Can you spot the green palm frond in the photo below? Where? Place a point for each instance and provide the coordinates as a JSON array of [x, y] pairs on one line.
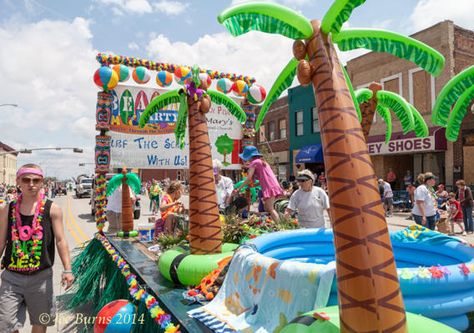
[[421, 128], [450, 94], [339, 13], [265, 17], [283, 81], [158, 104], [384, 112], [134, 182], [363, 95], [234, 108], [458, 113], [353, 96], [114, 183], [399, 106], [385, 41], [181, 122]]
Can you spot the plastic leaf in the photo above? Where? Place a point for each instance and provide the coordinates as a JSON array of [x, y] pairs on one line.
[[353, 96], [180, 129], [363, 95], [114, 183], [457, 114], [134, 182], [399, 45], [283, 81], [399, 106], [234, 108], [157, 104], [384, 112], [265, 17], [421, 128], [339, 13]]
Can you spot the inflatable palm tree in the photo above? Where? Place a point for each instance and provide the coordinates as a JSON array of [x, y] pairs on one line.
[[453, 101], [368, 288], [194, 102], [383, 101]]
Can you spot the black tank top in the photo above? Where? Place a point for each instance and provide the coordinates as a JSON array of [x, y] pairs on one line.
[[31, 265]]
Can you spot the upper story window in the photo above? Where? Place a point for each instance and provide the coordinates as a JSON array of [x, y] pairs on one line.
[[282, 126], [271, 131], [299, 123], [315, 120]]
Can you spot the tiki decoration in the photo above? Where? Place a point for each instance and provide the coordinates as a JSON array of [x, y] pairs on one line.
[[205, 235], [368, 288], [103, 111], [102, 153]]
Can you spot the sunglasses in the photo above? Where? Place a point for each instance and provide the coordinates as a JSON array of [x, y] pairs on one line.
[[27, 180]]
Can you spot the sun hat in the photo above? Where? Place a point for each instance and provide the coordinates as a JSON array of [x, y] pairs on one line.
[[249, 152], [305, 175]]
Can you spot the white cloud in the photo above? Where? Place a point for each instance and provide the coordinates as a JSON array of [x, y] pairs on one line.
[[429, 12], [170, 7], [133, 46]]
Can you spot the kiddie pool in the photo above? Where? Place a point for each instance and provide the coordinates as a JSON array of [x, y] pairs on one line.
[[448, 298]]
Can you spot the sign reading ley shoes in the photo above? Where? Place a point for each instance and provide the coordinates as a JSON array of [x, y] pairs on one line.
[[408, 144]]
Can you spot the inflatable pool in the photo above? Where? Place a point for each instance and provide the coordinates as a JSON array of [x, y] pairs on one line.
[[436, 272]]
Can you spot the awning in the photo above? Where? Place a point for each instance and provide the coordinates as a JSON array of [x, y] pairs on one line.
[[310, 154]]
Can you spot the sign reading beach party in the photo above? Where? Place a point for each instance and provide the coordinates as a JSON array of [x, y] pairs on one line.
[[154, 146]]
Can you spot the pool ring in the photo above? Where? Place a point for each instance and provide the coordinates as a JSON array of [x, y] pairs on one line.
[[182, 268], [326, 320], [126, 234]]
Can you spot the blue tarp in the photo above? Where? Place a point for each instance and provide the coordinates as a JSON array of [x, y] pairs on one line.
[[310, 154]]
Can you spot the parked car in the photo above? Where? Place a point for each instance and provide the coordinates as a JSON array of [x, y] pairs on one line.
[[84, 188]]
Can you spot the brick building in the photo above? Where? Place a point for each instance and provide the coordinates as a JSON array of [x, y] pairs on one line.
[[405, 152], [273, 136], [8, 165]]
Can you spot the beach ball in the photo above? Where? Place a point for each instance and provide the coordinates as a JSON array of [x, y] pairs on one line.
[[204, 77], [122, 71], [224, 85], [181, 74], [164, 78], [256, 94], [106, 78], [141, 75], [117, 316], [240, 88]]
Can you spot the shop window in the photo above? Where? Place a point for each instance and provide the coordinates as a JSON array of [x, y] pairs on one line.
[[271, 130], [299, 123], [315, 120], [282, 126]]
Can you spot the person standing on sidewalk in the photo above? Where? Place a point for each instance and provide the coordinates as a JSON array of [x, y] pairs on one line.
[[387, 197], [465, 199], [424, 210], [30, 227], [392, 178]]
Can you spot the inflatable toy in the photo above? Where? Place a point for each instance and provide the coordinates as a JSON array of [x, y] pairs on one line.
[[141, 75], [122, 71], [240, 88], [204, 77], [164, 78], [224, 85], [256, 94], [106, 78], [117, 316], [181, 74]]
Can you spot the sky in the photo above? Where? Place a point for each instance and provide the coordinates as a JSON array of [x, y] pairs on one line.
[[48, 49]]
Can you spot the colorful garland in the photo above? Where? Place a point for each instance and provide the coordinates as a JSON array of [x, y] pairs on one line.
[[435, 272], [100, 202], [138, 293], [107, 59]]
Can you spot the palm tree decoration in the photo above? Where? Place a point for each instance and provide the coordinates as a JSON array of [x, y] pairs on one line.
[[205, 234], [374, 99], [126, 180], [368, 288], [453, 101]]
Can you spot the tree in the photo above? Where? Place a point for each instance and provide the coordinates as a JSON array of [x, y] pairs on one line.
[[368, 288], [194, 102], [225, 146]]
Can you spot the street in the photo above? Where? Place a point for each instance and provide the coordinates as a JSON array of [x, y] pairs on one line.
[[80, 227]]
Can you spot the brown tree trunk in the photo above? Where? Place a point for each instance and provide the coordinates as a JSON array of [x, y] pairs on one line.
[[368, 109], [127, 210], [204, 224], [368, 288]]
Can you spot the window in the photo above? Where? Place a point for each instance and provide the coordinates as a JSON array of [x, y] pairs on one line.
[[315, 120], [282, 126], [261, 134], [299, 123], [271, 131]]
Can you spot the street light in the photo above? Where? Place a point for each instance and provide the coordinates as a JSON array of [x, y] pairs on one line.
[[84, 164], [9, 104], [29, 151]]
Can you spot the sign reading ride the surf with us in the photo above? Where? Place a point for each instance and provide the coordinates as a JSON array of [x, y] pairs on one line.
[[154, 146]]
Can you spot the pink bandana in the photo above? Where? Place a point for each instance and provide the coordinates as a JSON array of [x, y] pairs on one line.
[[24, 171]]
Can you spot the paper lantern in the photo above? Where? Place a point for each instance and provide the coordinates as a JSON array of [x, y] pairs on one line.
[[106, 78], [204, 77], [141, 75], [224, 85], [240, 88], [164, 78], [122, 71], [117, 316], [181, 74], [256, 94]]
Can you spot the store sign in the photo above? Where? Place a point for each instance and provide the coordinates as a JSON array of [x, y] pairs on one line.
[[411, 145]]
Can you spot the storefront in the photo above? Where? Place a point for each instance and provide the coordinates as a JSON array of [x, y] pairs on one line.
[[310, 157]]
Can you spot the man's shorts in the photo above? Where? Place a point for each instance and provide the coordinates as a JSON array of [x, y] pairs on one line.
[[20, 293], [388, 201]]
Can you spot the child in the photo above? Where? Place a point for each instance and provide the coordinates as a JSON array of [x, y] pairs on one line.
[[455, 214], [170, 208], [261, 171]]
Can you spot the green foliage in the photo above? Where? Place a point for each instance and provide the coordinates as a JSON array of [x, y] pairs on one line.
[[169, 241], [157, 104], [363, 95], [421, 128], [384, 112], [234, 108], [353, 96], [399, 106], [114, 183], [458, 113], [180, 129], [225, 145], [134, 182], [339, 13]]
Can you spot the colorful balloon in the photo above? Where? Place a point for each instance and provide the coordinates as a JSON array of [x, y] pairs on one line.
[[117, 316], [106, 78], [204, 77], [181, 74], [164, 78], [141, 75], [256, 94], [122, 71], [224, 85], [240, 88]]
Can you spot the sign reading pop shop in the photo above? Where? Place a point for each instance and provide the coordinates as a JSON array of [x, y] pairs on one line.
[[154, 146]]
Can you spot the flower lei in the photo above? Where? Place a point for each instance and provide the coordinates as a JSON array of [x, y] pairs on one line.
[[138, 293], [25, 232]]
